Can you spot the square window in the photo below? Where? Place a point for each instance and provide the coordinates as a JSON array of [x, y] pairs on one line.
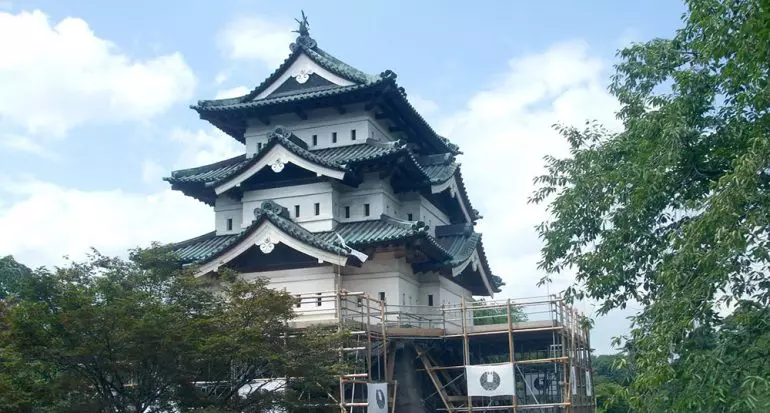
[[352, 134], [317, 208], [347, 212], [315, 140], [299, 302], [430, 300], [334, 137], [366, 210], [259, 146], [409, 217], [296, 211], [319, 300], [382, 295], [229, 224], [360, 302]]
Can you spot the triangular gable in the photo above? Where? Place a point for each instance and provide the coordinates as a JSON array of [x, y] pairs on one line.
[[270, 228], [282, 148], [302, 74]]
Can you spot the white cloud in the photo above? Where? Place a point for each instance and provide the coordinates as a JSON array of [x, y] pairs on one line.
[[232, 93], [426, 107], [152, 172], [56, 77], [504, 133], [630, 35], [256, 38], [26, 144], [203, 147], [220, 78], [48, 221]]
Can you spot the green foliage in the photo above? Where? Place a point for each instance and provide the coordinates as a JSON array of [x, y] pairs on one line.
[[12, 275], [673, 212], [611, 398], [498, 315], [136, 335], [612, 375]]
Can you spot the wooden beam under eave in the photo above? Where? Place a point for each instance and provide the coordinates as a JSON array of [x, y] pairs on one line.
[[342, 110], [382, 115], [264, 119], [395, 129], [301, 113]]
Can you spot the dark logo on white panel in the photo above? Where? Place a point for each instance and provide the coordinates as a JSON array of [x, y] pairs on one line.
[[489, 381], [379, 395]]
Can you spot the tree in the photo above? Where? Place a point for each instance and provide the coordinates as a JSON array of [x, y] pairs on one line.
[[498, 315], [612, 375], [145, 335], [673, 212]]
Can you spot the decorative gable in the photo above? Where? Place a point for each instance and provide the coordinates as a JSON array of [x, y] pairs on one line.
[[302, 75]]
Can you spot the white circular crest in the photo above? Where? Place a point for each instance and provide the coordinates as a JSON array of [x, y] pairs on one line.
[[303, 75], [277, 165], [267, 246], [489, 381]]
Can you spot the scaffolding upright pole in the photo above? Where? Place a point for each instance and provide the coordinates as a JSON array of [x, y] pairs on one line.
[[563, 338], [466, 351], [365, 297], [511, 350]]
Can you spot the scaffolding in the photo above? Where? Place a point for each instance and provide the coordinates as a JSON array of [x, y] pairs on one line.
[[546, 341]]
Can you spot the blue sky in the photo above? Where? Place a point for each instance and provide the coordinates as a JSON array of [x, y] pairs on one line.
[[94, 103]]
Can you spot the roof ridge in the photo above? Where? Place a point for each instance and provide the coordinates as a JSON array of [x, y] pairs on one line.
[[192, 240], [181, 172], [417, 226], [436, 159]]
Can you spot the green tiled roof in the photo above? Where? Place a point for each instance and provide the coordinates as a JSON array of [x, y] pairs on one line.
[[356, 235], [246, 105], [242, 103], [452, 245], [209, 173], [460, 241], [438, 167], [340, 158], [208, 246], [387, 229], [309, 47]]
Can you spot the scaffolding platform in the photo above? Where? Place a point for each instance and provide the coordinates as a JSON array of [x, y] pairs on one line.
[[426, 349]]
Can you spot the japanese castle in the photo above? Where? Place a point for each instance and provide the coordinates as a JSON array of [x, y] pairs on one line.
[[341, 185]]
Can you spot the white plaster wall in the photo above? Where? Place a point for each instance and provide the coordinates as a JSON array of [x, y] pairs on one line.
[[451, 293], [306, 196], [373, 191], [306, 282], [386, 273], [322, 123], [226, 208], [422, 210]]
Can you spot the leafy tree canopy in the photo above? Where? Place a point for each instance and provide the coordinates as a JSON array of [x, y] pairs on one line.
[[144, 335], [673, 212]]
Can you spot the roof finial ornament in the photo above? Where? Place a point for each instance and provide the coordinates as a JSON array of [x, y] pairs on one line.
[[303, 25], [303, 40]]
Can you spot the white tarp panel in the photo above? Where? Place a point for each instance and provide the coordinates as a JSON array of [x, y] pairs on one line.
[[589, 389], [573, 380], [541, 385], [490, 380], [378, 397]]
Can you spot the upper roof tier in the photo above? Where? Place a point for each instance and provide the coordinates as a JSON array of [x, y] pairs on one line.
[[311, 79]]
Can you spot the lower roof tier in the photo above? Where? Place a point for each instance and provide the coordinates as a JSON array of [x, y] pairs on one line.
[[287, 158], [456, 251]]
